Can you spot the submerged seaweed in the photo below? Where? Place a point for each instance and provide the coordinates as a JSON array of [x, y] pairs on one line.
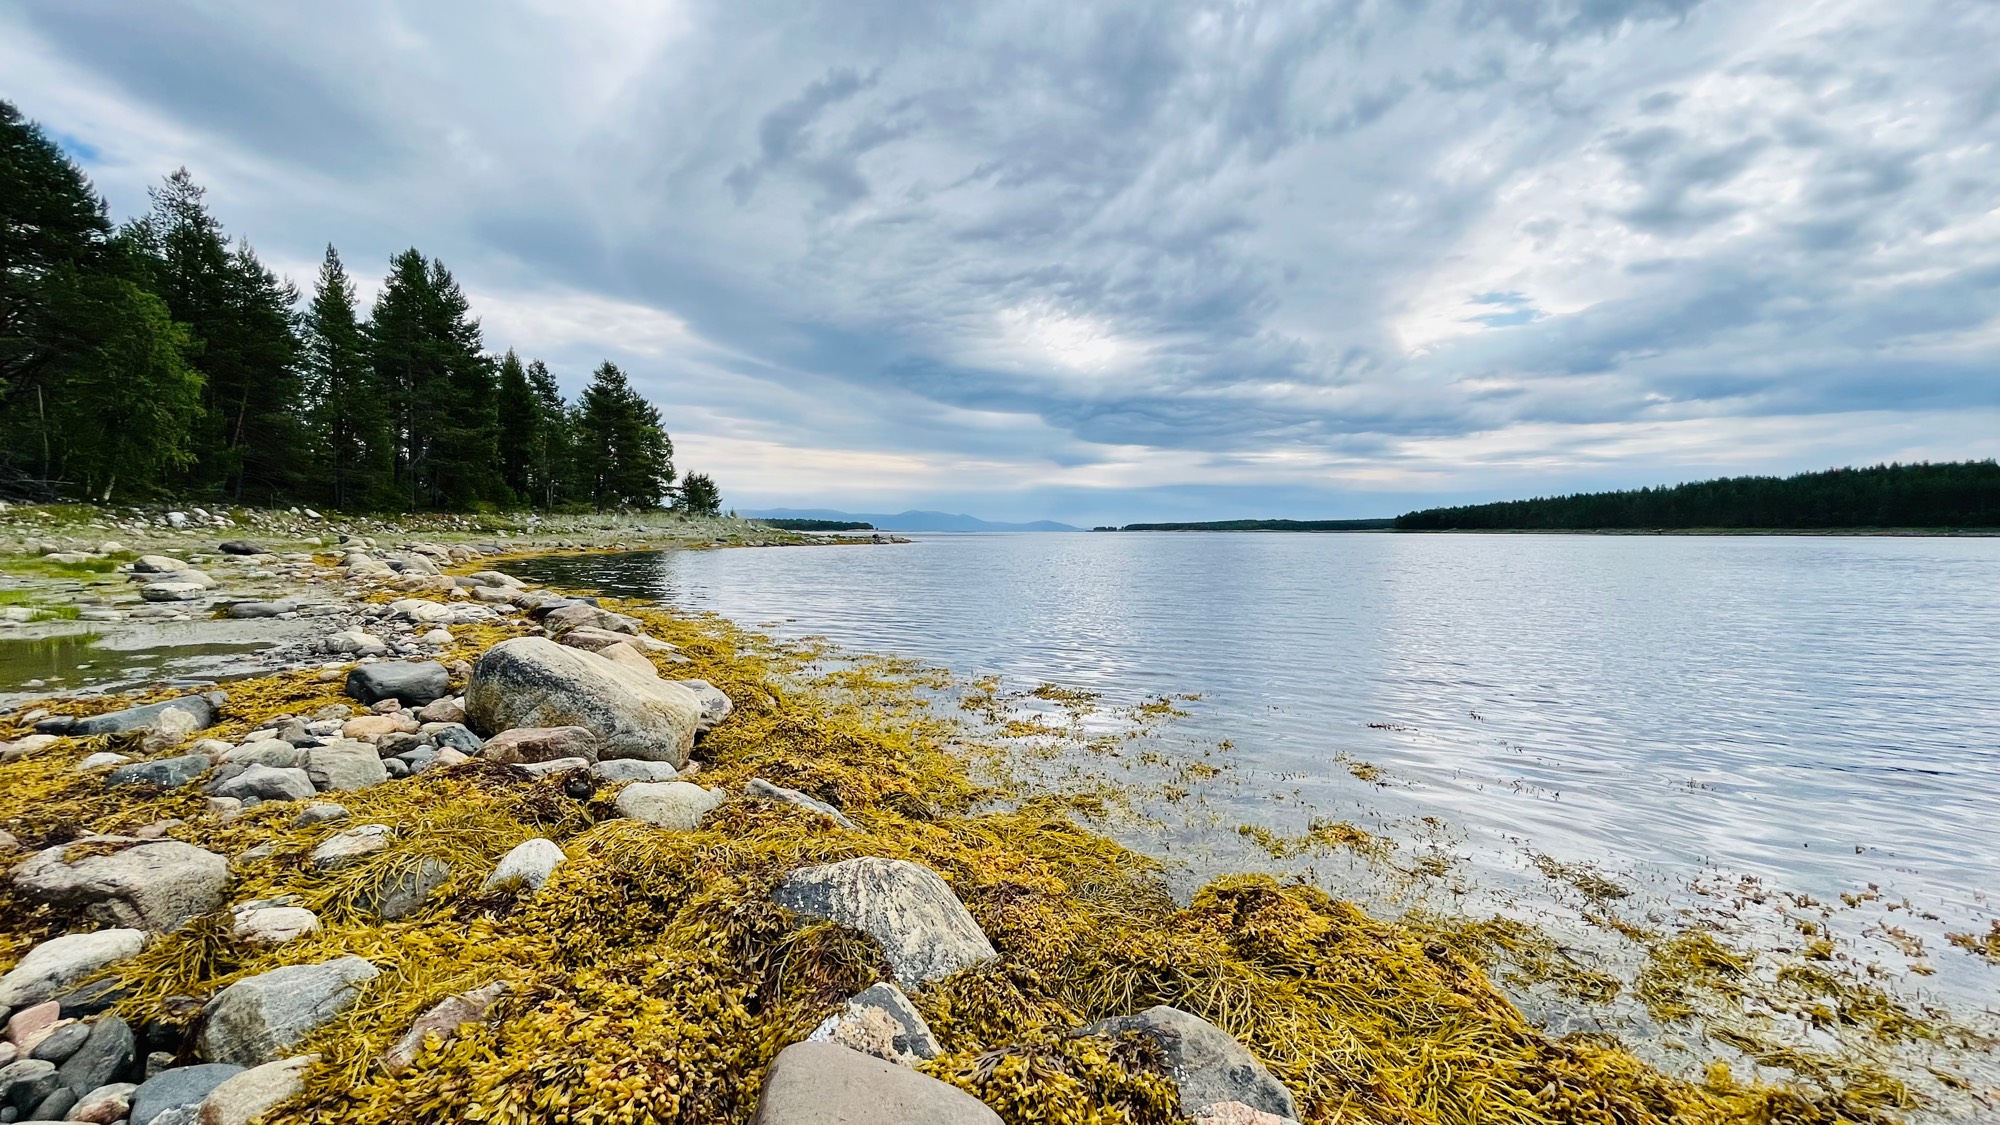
[[653, 979]]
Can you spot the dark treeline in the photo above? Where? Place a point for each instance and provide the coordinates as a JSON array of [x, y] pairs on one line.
[[816, 525], [1259, 525], [1952, 495], [160, 358]]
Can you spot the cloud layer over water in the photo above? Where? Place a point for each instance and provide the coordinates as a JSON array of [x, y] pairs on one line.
[[1108, 261]]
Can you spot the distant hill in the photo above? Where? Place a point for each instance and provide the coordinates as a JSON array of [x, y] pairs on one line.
[[1959, 494], [1260, 525], [906, 521]]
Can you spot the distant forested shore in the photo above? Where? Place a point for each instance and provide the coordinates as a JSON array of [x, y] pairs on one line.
[[1260, 525], [1959, 495], [159, 358]]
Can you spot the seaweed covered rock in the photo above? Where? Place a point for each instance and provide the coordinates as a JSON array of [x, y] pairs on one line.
[[413, 682], [168, 773], [906, 907], [145, 884], [343, 849], [54, 966], [764, 790], [828, 1084], [534, 682], [443, 1021], [404, 891], [1207, 1064], [259, 1018], [879, 1020]]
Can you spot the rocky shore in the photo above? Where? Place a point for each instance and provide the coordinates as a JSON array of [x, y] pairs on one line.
[[479, 851]]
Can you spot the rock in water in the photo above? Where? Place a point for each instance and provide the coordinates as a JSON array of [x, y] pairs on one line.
[[181, 1088], [528, 866], [201, 707], [880, 1021], [926, 932], [415, 683], [534, 682], [827, 1084], [678, 805], [245, 1097], [259, 1018], [151, 885], [1207, 1064], [54, 966]]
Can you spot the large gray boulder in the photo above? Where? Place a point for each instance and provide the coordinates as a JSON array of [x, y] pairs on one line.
[[413, 683], [926, 932], [259, 1018], [179, 1089], [535, 682], [828, 1084], [200, 707], [346, 764], [53, 967], [149, 885], [1207, 1064]]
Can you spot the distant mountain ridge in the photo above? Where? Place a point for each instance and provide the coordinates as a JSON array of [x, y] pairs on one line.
[[906, 521]]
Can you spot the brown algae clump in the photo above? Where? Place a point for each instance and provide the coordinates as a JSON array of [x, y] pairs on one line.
[[653, 979]]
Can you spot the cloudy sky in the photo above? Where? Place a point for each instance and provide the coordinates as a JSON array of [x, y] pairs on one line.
[[1107, 261]]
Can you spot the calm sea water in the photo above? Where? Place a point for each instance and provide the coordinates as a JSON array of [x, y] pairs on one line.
[[1822, 713]]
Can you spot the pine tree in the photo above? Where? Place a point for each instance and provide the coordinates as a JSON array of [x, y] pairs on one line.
[[520, 428], [240, 315], [353, 451], [465, 459], [125, 405], [53, 233], [624, 453], [553, 454], [699, 496], [442, 391]]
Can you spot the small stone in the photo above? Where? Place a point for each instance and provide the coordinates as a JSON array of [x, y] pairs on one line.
[[678, 805], [61, 1042], [179, 1088], [922, 927], [456, 737], [828, 1084], [1236, 1113], [255, 610], [266, 783], [105, 1104], [880, 1021], [319, 813], [347, 848], [368, 728], [101, 759], [527, 866], [237, 547], [271, 925], [1207, 1065], [443, 1020], [169, 773], [224, 809], [250, 1095], [451, 757], [403, 893], [448, 709], [632, 769], [541, 744], [54, 1107], [345, 765], [764, 790], [24, 1083], [437, 637], [106, 1053], [273, 752], [258, 1018], [386, 706], [29, 1026], [92, 998]]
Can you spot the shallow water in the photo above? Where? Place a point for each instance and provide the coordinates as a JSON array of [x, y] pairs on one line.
[[1819, 712], [35, 666]]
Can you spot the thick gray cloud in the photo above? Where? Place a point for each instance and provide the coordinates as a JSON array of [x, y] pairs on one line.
[[1113, 260]]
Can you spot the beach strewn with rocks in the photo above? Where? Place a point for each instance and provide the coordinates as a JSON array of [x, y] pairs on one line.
[[467, 849]]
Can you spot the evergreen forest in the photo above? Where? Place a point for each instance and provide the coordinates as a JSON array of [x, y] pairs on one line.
[[162, 358], [1962, 494]]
